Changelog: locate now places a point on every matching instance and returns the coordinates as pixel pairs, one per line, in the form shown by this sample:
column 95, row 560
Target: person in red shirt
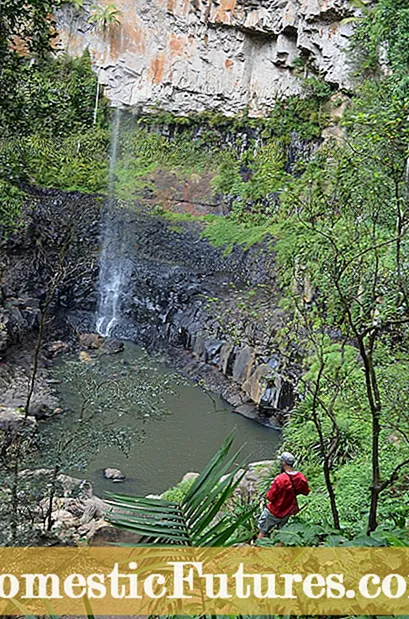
column 282, row 496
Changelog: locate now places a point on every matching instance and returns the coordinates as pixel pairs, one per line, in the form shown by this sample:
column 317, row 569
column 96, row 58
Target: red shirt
column 282, row 500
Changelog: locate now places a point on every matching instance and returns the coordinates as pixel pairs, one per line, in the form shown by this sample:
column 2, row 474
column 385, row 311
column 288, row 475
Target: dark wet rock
column 212, row 350
column 30, row 256
column 172, row 275
column 42, row 406
column 112, row 346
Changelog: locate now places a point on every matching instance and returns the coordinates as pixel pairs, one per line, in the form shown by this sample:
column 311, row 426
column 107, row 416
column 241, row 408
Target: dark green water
column 182, row 440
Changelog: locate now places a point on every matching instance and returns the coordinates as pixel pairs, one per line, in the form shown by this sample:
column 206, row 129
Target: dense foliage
column 48, row 134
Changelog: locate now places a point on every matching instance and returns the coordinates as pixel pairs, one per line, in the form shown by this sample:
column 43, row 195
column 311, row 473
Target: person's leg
column 282, row 521
column 267, row 522
column 263, row 524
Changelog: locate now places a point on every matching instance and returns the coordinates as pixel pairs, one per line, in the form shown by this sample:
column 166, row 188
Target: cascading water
column 114, row 265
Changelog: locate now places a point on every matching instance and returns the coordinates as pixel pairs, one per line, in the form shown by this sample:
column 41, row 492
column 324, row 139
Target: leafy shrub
column 178, row 492
column 78, row 162
column 11, row 202
column 54, row 97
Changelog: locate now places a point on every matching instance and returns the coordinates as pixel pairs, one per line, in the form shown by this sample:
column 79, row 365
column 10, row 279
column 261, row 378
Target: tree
column 26, row 31
column 350, row 233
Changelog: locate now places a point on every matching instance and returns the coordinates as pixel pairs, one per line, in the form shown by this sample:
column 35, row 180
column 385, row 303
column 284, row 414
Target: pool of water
column 182, row 440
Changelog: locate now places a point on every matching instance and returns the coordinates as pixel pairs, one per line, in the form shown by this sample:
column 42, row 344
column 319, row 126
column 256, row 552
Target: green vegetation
column 142, row 152
column 52, row 127
column 46, row 114
column 340, row 230
column 103, row 17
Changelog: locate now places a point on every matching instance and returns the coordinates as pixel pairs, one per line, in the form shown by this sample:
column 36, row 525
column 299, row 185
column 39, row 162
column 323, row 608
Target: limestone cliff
column 221, row 55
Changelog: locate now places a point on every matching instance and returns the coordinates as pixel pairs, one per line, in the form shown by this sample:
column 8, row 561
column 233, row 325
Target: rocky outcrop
column 77, row 515
column 175, row 274
column 53, row 222
column 223, row 55
column 12, row 420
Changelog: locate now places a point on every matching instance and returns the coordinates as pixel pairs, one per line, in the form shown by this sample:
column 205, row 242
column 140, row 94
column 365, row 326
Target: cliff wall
column 220, row 55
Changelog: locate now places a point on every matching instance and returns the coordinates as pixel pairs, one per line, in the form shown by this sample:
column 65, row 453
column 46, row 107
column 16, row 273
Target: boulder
column 63, row 519
column 103, row 534
column 42, row 405
column 256, row 385
column 94, row 509
column 72, row 486
column 261, row 463
column 91, row 340
column 243, row 364
column 226, row 358
column 212, row 350
column 56, row 348
column 190, row 476
column 114, row 475
column 11, row 419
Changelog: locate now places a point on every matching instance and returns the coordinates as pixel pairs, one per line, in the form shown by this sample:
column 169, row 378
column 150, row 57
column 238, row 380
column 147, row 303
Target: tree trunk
column 14, row 499
column 375, row 407
column 376, row 478
column 323, row 450
column 51, row 497
column 331, row 493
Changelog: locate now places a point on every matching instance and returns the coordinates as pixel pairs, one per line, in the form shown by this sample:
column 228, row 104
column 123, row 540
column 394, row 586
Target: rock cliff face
column 175, row 273
column 179, row 292
column 221, row 55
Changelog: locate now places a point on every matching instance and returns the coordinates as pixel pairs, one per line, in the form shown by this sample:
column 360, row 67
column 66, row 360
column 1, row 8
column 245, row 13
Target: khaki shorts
column 268, row 521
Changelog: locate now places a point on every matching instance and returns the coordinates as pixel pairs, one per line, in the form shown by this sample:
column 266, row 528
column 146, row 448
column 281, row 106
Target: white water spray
column 113, row 267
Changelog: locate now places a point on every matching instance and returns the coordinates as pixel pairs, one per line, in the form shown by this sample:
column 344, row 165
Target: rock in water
column 114, row 475
column 112, row 346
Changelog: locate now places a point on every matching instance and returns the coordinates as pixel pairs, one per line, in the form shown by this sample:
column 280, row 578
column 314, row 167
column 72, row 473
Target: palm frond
column 196, row 521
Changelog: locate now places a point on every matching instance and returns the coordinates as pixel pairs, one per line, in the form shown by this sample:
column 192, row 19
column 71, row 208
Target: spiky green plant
column 103, row 17
column 198, row 520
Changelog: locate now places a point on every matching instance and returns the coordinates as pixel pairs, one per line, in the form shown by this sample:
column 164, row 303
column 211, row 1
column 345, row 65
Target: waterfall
column 114, row 265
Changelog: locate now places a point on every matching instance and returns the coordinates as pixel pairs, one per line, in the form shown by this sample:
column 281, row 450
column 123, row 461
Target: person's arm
column 304, row 487
column 272, row 493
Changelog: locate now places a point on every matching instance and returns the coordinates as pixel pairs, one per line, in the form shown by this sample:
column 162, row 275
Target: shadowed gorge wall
column 222, row 55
